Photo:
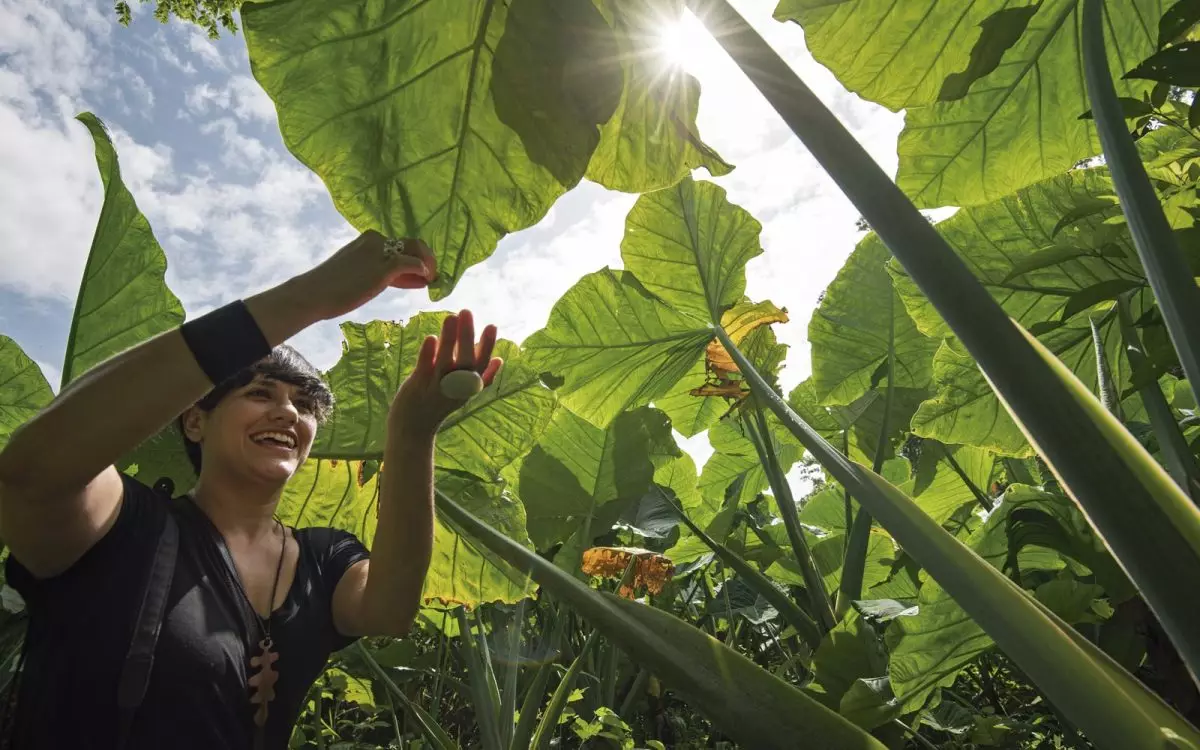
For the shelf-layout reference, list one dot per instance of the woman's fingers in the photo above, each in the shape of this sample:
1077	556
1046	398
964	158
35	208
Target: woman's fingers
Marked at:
425	356
493	367
445	354
465	354
483	352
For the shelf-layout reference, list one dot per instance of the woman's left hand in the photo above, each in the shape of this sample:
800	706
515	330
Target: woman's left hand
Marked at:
420	407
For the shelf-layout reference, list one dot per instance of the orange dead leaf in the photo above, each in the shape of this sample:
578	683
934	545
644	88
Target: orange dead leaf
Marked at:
649	569
738	321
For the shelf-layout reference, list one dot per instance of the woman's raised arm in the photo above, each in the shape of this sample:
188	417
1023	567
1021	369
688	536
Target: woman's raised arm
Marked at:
59	492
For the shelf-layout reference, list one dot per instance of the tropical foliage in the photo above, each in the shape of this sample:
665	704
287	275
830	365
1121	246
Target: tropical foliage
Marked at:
999	528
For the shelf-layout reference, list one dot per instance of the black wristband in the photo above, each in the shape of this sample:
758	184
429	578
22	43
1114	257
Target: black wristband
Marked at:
225	340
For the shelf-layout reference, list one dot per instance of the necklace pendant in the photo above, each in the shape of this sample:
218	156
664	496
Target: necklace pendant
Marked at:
262	684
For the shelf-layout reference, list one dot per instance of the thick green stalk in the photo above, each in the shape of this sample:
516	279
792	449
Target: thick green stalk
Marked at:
1167	270
854	562
762	585
1113	708
1180	462
818	597
1150	528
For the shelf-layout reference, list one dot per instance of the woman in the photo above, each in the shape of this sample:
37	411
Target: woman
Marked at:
254	608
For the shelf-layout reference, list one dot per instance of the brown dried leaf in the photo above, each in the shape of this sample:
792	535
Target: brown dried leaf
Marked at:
738	321
650	570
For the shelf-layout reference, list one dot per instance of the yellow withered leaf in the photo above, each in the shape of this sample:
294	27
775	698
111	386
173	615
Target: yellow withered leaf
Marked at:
650	570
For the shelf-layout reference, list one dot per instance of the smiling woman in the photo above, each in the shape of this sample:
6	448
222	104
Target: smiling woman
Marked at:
251	608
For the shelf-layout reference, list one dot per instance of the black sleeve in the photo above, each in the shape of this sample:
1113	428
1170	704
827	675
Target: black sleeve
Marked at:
342	550
116	553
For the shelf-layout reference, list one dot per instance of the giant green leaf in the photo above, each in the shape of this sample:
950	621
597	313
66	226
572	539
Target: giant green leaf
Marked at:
345	495
939	488
23	388
577	470
1036	249
376	358
611	346
123	299
965	409
913	47
457	122
689	246
651	141
993	93
860	320
1046	254
929	649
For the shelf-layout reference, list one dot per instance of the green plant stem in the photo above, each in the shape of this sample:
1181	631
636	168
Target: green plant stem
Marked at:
1180	462
915	735
984	501
1104	377
1166	269
854	562
1127	506
818	597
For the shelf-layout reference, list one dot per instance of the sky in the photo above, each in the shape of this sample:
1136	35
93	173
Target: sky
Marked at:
236	213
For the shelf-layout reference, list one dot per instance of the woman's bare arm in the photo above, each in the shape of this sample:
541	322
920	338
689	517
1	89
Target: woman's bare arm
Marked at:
59	492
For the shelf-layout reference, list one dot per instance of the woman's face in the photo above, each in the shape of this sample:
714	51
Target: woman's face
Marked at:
263	430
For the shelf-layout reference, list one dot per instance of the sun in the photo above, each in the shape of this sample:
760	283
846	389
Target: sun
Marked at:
680	41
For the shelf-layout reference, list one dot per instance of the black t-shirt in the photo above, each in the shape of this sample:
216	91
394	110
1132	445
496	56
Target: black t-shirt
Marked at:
81	623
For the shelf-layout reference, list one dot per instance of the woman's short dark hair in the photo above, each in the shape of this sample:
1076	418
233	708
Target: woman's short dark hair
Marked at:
284	364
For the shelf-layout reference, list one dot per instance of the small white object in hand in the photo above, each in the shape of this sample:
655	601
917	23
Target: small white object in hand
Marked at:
461	385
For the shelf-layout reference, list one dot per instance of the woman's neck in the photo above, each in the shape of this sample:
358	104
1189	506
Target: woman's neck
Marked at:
239	510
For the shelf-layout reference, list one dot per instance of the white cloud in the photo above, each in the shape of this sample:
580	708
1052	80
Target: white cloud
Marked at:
250	101
205	49
242	97
242	152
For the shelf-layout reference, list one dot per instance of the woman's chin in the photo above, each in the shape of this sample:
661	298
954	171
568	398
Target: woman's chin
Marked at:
275	471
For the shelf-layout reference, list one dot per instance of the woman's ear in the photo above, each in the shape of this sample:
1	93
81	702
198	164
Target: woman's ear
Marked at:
192	422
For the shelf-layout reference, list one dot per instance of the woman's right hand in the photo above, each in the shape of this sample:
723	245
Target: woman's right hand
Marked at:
361	270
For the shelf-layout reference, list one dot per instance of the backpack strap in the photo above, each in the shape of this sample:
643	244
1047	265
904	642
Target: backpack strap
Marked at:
139	660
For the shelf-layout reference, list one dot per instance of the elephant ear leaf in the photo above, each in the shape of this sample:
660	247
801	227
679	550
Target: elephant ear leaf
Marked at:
457	121
23	388
611	346
860	320
124	300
